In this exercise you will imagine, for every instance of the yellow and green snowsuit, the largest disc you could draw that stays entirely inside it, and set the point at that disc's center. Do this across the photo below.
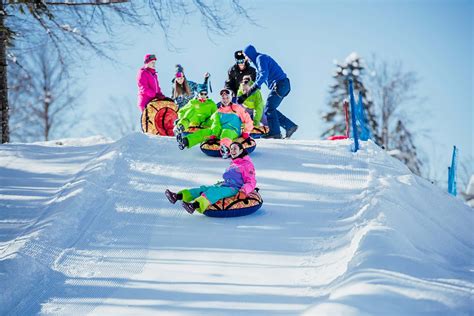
(254, 102)
(197, 113)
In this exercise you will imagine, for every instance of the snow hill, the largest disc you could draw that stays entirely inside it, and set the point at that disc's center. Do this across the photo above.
(86, 229)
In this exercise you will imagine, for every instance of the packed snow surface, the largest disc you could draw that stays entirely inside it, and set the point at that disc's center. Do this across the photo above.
(86, 229)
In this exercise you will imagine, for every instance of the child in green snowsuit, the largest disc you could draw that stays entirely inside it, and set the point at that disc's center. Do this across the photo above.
(253, 102)
(197, 112)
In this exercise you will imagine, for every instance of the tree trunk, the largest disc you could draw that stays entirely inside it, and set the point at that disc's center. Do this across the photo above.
(3, 76)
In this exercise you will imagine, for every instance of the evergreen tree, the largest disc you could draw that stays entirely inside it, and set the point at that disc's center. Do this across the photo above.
(351, 68)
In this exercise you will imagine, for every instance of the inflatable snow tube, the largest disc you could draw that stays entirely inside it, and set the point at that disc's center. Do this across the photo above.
(233, 207)
(212, 147)
(158, 117)
(337, 137)
(258, 132)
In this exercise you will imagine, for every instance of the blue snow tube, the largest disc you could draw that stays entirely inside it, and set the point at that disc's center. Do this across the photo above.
(212, 147)
(233, 207)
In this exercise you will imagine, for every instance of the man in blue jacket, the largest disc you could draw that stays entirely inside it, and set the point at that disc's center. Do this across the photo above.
(270, 73)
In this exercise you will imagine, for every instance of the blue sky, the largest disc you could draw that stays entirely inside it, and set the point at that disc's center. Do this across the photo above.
(432, 38)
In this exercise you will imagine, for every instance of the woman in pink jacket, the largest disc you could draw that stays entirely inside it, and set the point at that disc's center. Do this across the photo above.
(239, 179)
(148, 85)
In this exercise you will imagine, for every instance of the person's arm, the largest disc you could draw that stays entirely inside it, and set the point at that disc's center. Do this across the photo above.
(248, 175)
(144, 85)
(262, 66)
(246, 121)
(230, 82)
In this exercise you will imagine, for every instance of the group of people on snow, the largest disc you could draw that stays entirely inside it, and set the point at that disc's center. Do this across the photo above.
(240, 109)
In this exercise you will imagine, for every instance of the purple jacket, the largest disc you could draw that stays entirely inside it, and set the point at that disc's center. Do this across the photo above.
(240, 175)
(148, 86)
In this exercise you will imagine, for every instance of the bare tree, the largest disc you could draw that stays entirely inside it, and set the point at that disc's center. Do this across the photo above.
(73, 23)
(121, 118)
(392, 89)
(42, 98)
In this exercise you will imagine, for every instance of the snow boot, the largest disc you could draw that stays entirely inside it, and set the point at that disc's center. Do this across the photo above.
(291, 131)
(275, 136)
(190, 207)
(178, 128)
(173, 197)
(182, 141)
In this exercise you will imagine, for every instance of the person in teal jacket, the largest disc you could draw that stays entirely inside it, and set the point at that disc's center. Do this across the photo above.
(254, 102)
(196, 113)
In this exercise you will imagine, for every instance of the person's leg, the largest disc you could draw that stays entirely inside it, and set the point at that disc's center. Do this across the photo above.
(227, 136)
(283, 88)
(198, 137)
(209, 196)
(191, 194)
(215, 193)
(273, 101)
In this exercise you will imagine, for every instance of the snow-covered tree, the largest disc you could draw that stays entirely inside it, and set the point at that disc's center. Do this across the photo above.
(351, 68)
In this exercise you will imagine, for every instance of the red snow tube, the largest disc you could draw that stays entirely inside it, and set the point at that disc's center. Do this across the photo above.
(158, 117)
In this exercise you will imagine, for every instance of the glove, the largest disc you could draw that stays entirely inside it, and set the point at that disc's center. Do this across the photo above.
(241, 195)
(245, 135)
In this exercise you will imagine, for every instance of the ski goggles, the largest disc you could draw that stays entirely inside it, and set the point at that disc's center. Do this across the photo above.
(240, 61)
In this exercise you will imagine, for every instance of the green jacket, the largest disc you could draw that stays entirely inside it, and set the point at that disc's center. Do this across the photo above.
(196, 113)
(255, 102)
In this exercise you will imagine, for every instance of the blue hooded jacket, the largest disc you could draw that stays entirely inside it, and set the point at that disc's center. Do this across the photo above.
(269, 72)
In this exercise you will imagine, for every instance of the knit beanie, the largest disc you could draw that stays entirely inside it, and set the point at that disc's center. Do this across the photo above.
(149, 57)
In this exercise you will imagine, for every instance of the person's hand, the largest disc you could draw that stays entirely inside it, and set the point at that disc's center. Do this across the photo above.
(245, 135)
(207, 75)
(241, 195)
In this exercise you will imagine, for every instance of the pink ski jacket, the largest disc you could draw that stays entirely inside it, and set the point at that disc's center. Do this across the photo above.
(148, 86)
(241, 175)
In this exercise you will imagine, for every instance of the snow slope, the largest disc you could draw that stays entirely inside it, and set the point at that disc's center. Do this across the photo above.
(85, 229)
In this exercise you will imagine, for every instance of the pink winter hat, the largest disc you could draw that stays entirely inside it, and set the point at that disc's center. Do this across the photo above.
(179, 74)
(149, 57)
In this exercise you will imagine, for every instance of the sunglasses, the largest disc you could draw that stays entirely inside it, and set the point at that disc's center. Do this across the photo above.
(203, 94)
(240, 61)
(225, 92)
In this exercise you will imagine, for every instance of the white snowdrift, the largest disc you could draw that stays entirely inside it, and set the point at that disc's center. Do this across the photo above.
(85, 229)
